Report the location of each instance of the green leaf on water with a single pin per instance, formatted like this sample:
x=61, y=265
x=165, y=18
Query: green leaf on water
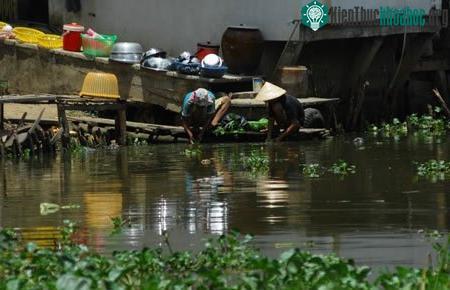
x=72, y=282
x=49, y=208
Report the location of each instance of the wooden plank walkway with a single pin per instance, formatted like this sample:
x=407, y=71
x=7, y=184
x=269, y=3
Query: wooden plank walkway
x=73, y=102
x=307, y=102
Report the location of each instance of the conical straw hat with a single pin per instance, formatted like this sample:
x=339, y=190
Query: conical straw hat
x=269, y=92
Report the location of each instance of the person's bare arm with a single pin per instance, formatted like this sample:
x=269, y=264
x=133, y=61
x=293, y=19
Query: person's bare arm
x=293, y=128
x=270, y=129
x=205, y=127
x=188, y=131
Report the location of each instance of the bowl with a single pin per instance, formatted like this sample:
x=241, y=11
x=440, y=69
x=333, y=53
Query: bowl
x=2, y=24
x=154, y=52
x=127, y=47
x=126, y=52
x=101, y=85
x=98, y=47
x=129, y=58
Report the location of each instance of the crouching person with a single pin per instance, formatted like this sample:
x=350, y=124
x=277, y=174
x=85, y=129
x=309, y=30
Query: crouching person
x=201, y=112
x=284, y=110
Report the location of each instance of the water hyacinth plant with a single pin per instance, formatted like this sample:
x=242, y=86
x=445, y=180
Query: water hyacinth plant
x=342, y=168
x=312, y=170
x=434, y=169
x=428, y=126
x=193, y=152
x=226, y=262
x=256, y=162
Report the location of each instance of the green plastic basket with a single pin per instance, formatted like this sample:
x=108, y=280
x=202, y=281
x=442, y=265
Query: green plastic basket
x=98, y=47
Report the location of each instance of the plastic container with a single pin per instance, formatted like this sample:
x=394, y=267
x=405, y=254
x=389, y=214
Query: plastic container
x=50, y=41
x=213, y=72
x=98, y=47
x=27, y=35
x=2, y=24
x=72, y=37
x=203, y=49
x=102, y=85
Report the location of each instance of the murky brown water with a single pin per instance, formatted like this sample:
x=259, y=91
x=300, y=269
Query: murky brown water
x=373, y=216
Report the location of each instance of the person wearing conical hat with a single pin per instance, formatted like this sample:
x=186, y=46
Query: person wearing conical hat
x=202, y=111
x=284, y=110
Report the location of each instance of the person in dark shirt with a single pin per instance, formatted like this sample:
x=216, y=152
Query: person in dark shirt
x=285, y=110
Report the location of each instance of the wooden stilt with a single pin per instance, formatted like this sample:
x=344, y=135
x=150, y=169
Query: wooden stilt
x=355, y=83
x=64, y=125
x=443, y=84
x=121, y=126
x=414, y=48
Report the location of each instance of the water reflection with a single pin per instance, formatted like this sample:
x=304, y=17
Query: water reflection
x=368, y=216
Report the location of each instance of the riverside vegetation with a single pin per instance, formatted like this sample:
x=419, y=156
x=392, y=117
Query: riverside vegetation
x=226, y=262
x=429, y=127
x=341, y=168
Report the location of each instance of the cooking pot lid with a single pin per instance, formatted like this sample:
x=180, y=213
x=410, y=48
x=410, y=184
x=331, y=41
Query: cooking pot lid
x=73, y=27
x=243, y=27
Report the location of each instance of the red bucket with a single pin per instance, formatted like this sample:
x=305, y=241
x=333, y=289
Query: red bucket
x=72, y=37
x=203, y=49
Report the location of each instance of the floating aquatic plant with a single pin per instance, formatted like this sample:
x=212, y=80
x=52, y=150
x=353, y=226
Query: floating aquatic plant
x=226, y=262
x=47, y=208
x=193, y=152
x=394, y=129
x=427, y=126
x=312, y=170
x=342, y=168
x=119, y=223
x=256, y=162
x=434, y=169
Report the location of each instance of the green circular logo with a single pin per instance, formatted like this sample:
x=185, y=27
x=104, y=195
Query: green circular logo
x=314, y=15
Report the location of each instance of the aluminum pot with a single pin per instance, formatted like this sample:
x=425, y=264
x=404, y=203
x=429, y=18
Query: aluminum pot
x=126, y=52
x=154, y=52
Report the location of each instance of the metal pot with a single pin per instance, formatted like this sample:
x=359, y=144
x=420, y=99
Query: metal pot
x=126, y=52
x=154, y=52
x=127, y=47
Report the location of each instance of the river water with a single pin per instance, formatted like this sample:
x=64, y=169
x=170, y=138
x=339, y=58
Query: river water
x=376, y=216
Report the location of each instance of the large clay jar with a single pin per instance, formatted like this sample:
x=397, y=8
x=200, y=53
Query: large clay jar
x=242, y=48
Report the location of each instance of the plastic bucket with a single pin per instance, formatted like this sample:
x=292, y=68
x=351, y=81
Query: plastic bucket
x=72, y=37
x=72, y=41
x=203, y=49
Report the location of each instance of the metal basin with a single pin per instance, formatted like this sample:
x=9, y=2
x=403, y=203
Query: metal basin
x=126, y=52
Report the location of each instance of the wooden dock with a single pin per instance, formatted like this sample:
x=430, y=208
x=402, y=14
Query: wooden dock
x=151, y=131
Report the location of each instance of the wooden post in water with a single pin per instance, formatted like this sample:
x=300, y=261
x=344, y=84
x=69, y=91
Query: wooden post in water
x=64, y=124
x=3, y=91
x=121, y=125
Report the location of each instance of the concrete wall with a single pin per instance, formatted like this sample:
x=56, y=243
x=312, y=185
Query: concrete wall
x=177, y=25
